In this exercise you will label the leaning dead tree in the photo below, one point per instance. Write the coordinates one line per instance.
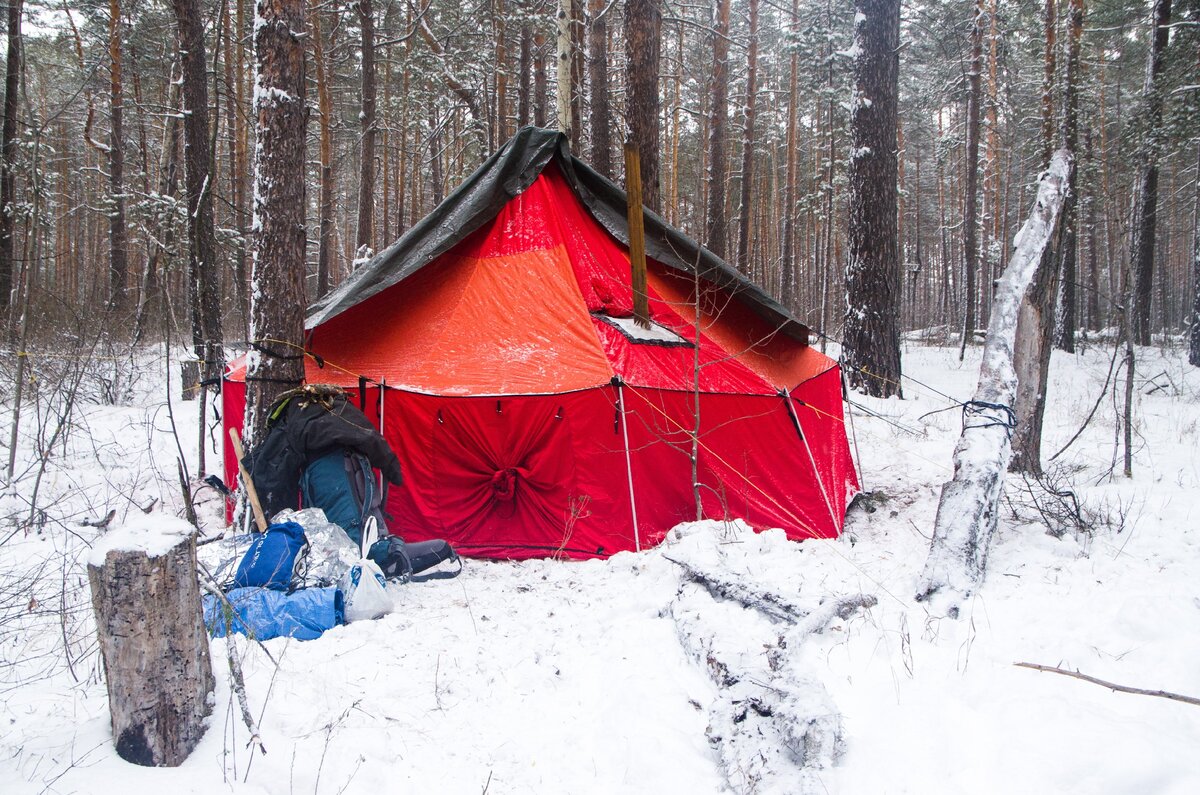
(968, 509)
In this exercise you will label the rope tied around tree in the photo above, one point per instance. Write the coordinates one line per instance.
(982, 414)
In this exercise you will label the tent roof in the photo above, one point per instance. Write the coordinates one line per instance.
(507, 174)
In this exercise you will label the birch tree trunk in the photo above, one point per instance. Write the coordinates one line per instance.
(565, 72)
(1036, 321)
(970, 502)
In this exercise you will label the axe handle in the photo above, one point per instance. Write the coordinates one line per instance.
(251, 492)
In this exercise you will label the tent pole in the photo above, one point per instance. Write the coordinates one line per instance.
(857, 459)
(637, 537)
(816, 473)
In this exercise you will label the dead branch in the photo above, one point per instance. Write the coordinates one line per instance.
(771, 605)
(1137, 691)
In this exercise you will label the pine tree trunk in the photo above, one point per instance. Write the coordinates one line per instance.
(1194, 347)
(118, 244)
(715, 232)
(325, 245)
(203, 292)
(540, 89)
(525, 60)
(1070, 140)
(788, 253)
(871, 338)
(600, 113)
(743, 244)
(8, 148)
(278, 301)
(970, 211)
(365, 237)
(643, 33)
(155, 652)
(499, 33)
(1145, 202)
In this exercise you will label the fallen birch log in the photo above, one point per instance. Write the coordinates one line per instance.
(968, 509)
(152, 639)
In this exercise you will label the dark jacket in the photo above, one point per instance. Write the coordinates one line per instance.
(304, 426)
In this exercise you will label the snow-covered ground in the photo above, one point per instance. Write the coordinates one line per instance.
(625, 676)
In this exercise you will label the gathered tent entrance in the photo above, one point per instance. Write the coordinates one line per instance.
(494, 347)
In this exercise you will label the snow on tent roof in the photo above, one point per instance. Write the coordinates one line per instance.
(507, 174)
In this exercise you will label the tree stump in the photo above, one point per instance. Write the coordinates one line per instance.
(153, 642)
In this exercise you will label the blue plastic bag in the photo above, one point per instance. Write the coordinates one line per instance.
(271, 557)
(264, 614)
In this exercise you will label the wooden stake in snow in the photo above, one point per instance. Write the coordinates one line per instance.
(152, 639)
(967, 512)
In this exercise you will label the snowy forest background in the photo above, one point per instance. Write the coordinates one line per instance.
(762, 179)
(123, 250)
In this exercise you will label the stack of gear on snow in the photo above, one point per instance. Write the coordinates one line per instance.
(321, 566)
(315, 426)
(321, 448)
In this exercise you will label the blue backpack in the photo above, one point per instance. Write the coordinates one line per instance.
(271, 557)
(342, 484)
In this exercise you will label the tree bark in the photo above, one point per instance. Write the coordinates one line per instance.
(364, 239)
(1194, 347)
(600, 112)
(1145, 201)
(789, 293)
(325, 244)
(155, 652)
(9, 149)
(277, 310)
(743, 243)
(539, 80)
(525, 61)
(970, 211)
(643, 34)
(715, 233)
(969, 506)
(1035, 324)
(203, 291)
(871, 338)
(118, 244)
(1069, 136)
(565, 73)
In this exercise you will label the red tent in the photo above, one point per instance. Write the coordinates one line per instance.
(493, 346)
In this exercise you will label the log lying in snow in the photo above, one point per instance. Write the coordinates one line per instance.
(152, 640)
(773, 725)
(968, 509)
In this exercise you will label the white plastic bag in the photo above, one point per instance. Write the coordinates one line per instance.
(364, 588)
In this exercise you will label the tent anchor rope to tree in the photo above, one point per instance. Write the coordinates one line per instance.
(499, 330)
